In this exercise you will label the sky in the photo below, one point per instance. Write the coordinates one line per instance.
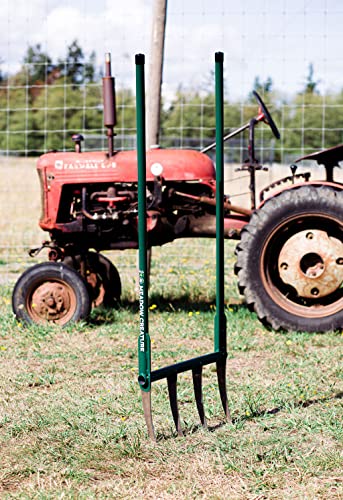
(264, 38)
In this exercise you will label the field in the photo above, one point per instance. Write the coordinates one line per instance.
(71, 420)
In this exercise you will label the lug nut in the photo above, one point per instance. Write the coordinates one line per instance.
(309, 236)
(315, 291)
(284, 266)
(339, 261)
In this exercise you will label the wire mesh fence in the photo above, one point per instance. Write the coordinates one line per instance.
(51, 64)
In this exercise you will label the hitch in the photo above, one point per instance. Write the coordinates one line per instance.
(55, 253)
(145, 375)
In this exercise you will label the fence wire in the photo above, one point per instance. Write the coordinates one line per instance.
(51, 63)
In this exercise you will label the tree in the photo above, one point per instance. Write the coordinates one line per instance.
(2, 74)
(17, 119)
(38, 64)
(262, 88)
(75, 68)
(190, 115)
(311, 85)
(39, 112)
(191, 118)
(89, 69)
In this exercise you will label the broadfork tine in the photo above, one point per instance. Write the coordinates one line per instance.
(146, 400)
(221, 376)
(172, 389)
(197, 385)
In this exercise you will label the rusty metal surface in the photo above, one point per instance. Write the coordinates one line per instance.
(146, 400)
(52, 301)
(98, 288)
(312, 263)
(331, 156)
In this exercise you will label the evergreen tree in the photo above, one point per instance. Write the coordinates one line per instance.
(89, 69)
(38, 64)
(75, 68)
(311, 85)
(262, 88)
(2, 74)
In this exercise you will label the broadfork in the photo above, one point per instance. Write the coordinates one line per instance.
(145, 376)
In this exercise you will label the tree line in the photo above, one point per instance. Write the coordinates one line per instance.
(45, 102)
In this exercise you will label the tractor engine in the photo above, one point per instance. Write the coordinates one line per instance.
(89, 200)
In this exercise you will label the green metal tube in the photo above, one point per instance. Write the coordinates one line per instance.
(144, 346)
(220, 319)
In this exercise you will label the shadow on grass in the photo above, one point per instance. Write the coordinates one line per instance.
(286, 405)
(164, 304)
(194, 428)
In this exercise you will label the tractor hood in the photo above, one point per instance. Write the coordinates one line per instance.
(171, 164)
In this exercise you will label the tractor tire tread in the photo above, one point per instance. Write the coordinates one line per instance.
(262, 220)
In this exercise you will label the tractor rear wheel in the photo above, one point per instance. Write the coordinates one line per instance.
(290, 260)
(101, 275)
(50, 292)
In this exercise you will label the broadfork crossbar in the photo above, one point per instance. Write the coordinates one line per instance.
(219, 356)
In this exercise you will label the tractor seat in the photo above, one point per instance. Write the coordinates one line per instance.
(330, 158)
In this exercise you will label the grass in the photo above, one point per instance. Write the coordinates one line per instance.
(71, 420)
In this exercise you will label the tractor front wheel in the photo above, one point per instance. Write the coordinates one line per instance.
(290, 260)
(50, 292)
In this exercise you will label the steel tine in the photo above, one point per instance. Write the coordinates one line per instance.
(172, 389)
(197, 384)
(146, 400)
(221, 375)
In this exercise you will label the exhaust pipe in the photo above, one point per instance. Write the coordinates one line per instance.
(108, 93)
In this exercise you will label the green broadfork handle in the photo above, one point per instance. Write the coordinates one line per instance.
(144, 347)
(220, 319)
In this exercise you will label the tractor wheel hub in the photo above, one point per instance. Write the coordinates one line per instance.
(312, 262)
(51, 301)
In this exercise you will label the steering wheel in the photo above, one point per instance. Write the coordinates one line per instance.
(267, 117)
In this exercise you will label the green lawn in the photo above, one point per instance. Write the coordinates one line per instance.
(72, 424)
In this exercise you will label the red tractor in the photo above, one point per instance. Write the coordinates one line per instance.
(290, 251)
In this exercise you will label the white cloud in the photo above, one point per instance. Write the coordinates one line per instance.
(106, 30)
(122, 28)
(264, 42)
